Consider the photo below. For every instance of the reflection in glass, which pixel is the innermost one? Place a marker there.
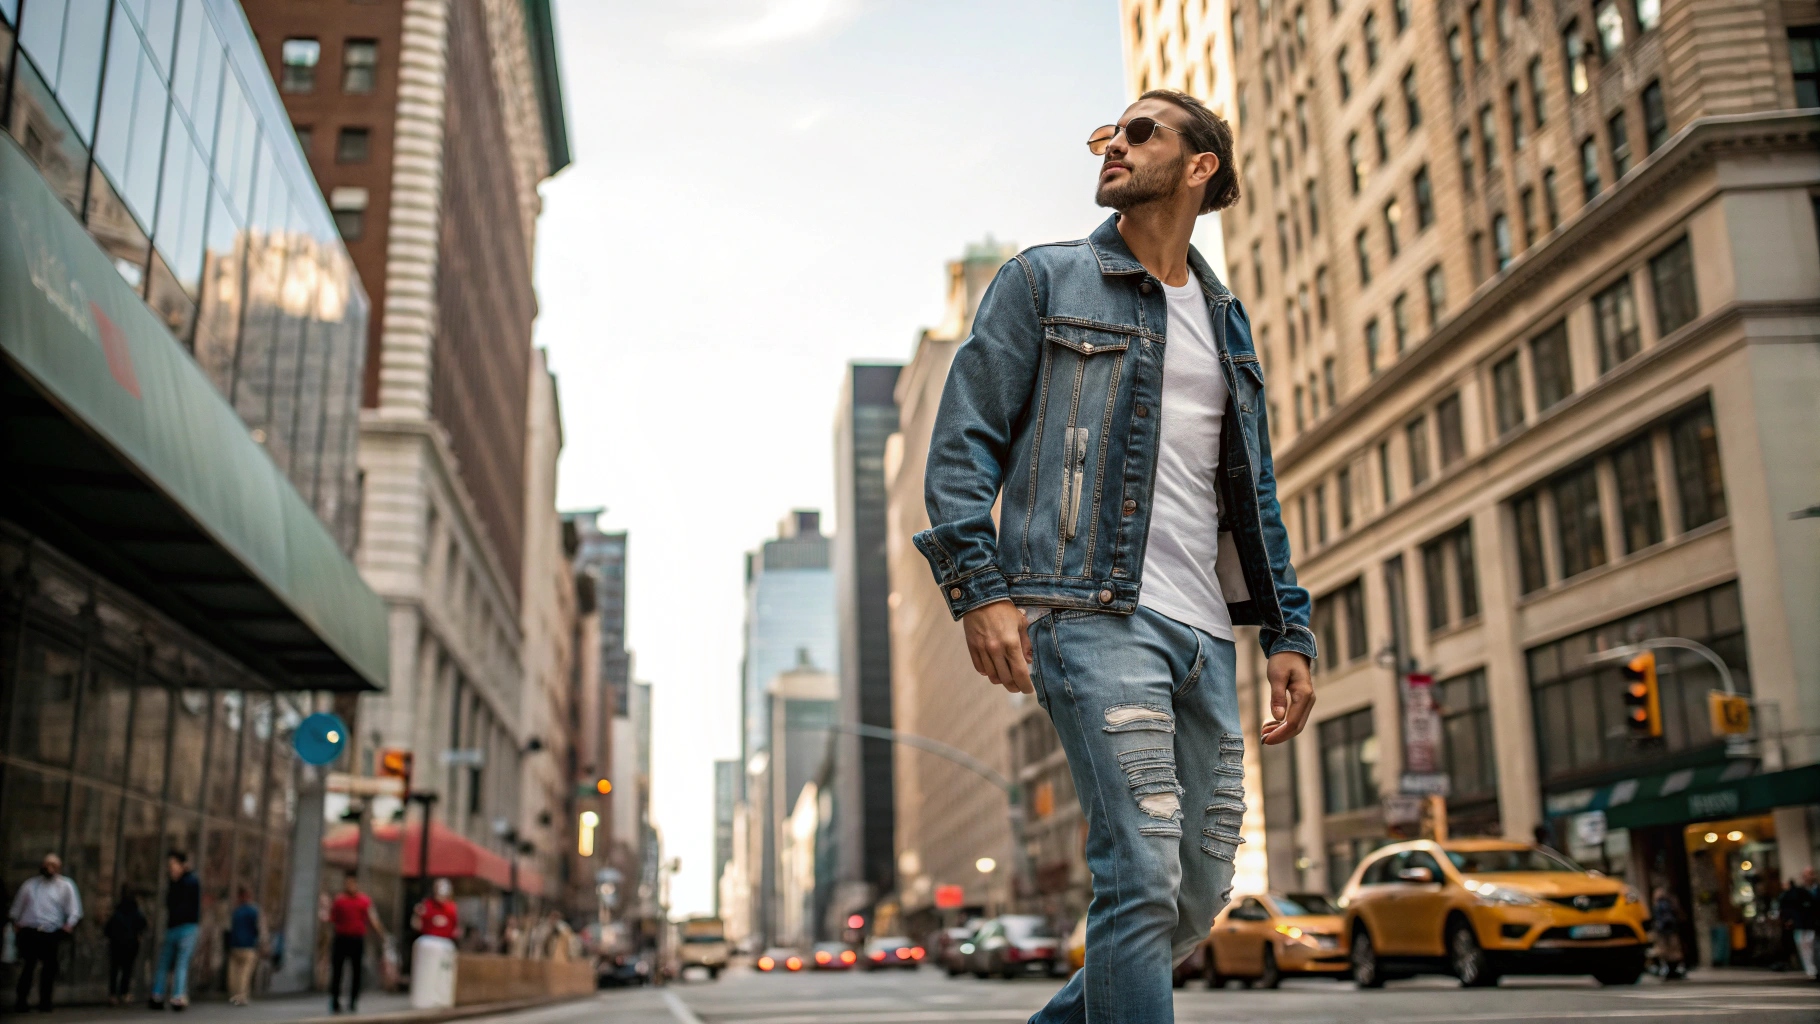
(224, 753)
(169, 300)
(41, 34)
(32, 805)
(218, 324)
(151, 727)
(113, 226)
(142, 851)
(157, 19)
(44, 702)
(189, 738)
(234, 146)
(183, 209)
(101, 740)
(78, 73)
(129, 139)
(88, 860)
(47, 137)
(258, 740)
(196, 76)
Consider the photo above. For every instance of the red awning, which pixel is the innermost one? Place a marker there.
(452, 855)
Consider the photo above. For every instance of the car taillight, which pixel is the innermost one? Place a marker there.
(1013, 954)
(917, 952)
(795, 963)
(878, 954)
(765, 963)
(903, 952)
(847, 956)
(823, 956)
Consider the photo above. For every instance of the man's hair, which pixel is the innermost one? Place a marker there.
(351, 875)
(1207, 132)
(179, 856)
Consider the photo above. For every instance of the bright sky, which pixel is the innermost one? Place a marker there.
(762, 191)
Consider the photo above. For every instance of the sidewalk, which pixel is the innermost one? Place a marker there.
(1747, 976)
(308, 1008)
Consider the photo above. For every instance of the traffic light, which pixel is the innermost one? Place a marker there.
(596, 787)
(395, 764)
(1642, 700)
(603, 786)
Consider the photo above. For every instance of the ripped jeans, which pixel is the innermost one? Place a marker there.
(1147, 710)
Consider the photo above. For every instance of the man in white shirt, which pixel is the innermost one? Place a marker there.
(46, 908)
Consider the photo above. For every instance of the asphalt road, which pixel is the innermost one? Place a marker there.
(744, 997)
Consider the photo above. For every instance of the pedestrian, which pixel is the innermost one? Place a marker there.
(350, 916)
(182, 918)
(44, 910)
(1799, 908)
(1111, 403)
(124, 928)
(437, 915)
(1665, 922)
(244, 928)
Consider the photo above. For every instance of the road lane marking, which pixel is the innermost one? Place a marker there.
(679, 1009)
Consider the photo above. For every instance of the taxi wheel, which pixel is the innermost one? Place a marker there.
(1215, 980)
(1365, 970)
(1270, 977)
(1468, 959)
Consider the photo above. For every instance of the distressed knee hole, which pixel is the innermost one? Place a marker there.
(1161, 805)
(1225, 815)
(1150, 772)
(1232, 756)
(1136, 717)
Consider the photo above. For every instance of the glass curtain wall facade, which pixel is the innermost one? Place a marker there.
(156, 125)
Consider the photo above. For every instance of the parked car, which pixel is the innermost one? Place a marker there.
(1260, 939)
(832, 956)
(620, 969)
(1013, 945)
(945, 947)
(1482, 908)
(893, 951)
(779, 958)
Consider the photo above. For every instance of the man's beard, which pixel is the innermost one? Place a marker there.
(1143, 185)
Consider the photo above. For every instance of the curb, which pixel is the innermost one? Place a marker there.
(435, 1016)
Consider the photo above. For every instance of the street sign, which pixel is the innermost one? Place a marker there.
(949, 897)
(1730, 713)
(1426, 784)
(1402, 810)
(320, 738)
(471, 758)
(364, 785)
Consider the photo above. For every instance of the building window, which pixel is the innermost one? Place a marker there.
(1655, 117)
(1349, 763)
(1314, 210)
(1468, 752)
(1301, 504)
(1320, 515)
(1425, 200)
(1618, 128)
(1464, 145)
(1526, 510)
(1452, 430)
(1415, 434)
(1386, 488)
(1371, 39)
(359, 65)
(1697, 471)
(1639, 509)
(1257, 267)
(1355, 162)
(1513, 99)
(1501, 241)
(1574, 45)
(1393, 217)
(1671, 273)
(351, 146)
(299, 57)
(1412, 103)
(1301, 122)
(1300, 423)
(1507, 392)
(1579, 528)
(1320, 295)
(1475, 250)
(306, 137)
(1327, 383)
(1380, 126)
(1339, 64)
(1488, 137)
(1579, 721)
(1609, 23)
(1526, 204)
(1649, 15)
(1243, 107)
(1551, 204)
(1400, 8)
(1589, 169)
(1437, 295)
(1475, 20)
(1399, 320)
(1371, 346)
(1456, 56)
(1352, 603)
(1551, 365)
(1804, 61)
(349, 206)
(1615, 324)
(1457, 586)
(1301, 297)
(1434, 581)
(1282, 242)
(1343, 491)
(1362, 246)
(1538, 89)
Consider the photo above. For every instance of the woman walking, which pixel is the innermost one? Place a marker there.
(124, 928)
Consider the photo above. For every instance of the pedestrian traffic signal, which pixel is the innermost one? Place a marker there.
(395, 764)
(1642, 701)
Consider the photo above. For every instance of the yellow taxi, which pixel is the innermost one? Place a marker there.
(1259, 939)
(1482, 908)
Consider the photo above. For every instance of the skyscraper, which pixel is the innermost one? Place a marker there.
(865, 419)
(726, 801)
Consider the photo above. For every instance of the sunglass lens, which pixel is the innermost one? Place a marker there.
(1101, 138)
(1139, 130)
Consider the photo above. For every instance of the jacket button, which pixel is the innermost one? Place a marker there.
(1130, 506)
(1086, 346)
(1105, 597)
(955, 593)
(1143, 411)
(1146, 287)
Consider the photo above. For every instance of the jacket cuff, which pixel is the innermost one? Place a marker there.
(981, 588)
(1299, 639)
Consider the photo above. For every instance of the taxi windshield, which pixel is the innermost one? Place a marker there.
(1491, 862)
(1304, 904)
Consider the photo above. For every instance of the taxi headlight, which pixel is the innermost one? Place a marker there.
(1632, 896)
(1490, 895)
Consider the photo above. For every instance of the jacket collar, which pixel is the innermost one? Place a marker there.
(1115, 257)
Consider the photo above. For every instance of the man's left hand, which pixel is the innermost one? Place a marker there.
(1291, 696)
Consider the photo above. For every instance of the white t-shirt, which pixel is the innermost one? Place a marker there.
(1178, 578)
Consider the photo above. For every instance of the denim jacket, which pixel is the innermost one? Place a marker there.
(1055, 399)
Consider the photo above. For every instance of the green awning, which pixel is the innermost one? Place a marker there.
(1722, 790)
(115, 448)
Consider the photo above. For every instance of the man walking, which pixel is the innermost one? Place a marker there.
(182, 917)
(244, 927)
(349, 916)
(45, 909)
(1110, 398)
(1799, 909)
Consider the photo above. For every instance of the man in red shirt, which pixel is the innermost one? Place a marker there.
(350, 915)
(436, 915)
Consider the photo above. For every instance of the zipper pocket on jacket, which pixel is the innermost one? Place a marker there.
(1074, 440)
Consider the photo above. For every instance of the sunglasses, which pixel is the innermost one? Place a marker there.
(1138, 131)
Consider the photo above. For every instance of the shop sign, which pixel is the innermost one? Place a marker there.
(1713, 805)
(1589, 828)
(1426, 783)
(1402, 810)
(949, 897)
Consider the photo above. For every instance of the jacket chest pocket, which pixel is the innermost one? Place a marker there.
(1086, 366)
(1249, 376)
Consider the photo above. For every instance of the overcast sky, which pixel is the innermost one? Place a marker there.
(762, 191)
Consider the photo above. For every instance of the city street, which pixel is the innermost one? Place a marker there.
(743, 997)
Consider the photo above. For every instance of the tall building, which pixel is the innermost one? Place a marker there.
(947, 817)
(804, 701)
(790, 620)
(180, 358)
(1522, 277)
(726, 801)
(864, 420)
(430, 124)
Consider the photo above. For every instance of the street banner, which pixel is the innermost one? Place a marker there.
(1421, 726)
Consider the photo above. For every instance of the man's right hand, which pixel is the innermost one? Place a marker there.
(998, 640)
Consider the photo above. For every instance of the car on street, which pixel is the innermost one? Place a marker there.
(779, 958)
(1483, 908)
(702, 942)
(832, 956)
(945, 944)
(1260, 939)
(1014, 945)
(893, 951)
